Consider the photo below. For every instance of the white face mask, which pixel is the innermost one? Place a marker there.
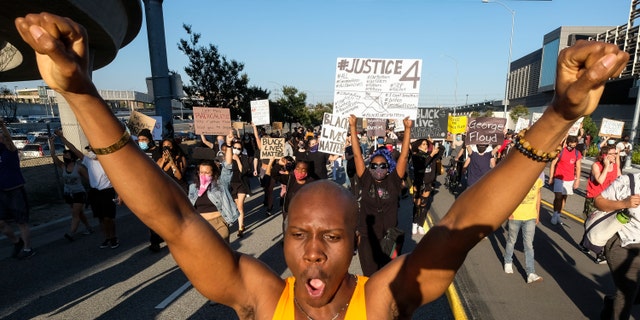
(236, 151)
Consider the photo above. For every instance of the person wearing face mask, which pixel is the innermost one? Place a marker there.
(74, 193)
(317, 160)
(381, 186)
(424, 156)
(102, 195)
(293, 180)
(148, 145)
(564, 175)
(478, 163)
(210, 195)
(239, 186)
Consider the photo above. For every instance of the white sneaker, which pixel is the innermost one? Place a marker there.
(508, 268)
(532, 277)
(414, 228)
(421, 230)
(555, 218)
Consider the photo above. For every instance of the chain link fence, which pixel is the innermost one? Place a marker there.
(43, 179)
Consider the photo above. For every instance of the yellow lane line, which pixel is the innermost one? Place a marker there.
(452, 293)
(566, 213)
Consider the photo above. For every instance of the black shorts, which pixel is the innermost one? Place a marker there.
(78, 197)
(14, 205)
(237, 188)
(102, 203)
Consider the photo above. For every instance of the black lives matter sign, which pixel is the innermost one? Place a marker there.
(430, 122)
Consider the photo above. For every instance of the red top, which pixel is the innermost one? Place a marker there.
(594, 188)
(566, 165)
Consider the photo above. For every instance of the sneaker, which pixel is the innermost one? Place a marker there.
(584, 249)
(555, 218)
(24, 254)
(508, 268)
(532, 277)
(17, 247)
(105, 244)
(421, 230)
(414, 228)
(114, 243)
(68, 237)
(600, 259)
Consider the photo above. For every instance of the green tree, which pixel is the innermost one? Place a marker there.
(8, 103)
(294, 106)
(518, 111)
(488, 113)
(317, 112)
(217, 80)
(474, 114)
(589, 126)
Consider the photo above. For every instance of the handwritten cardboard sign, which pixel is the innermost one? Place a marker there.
(238, 125)
(430, 122)
(212, 120)
(485, 130)
(272, 148)
(575, 128)
(334, 133)
(377, 88)
(457, 124)
(276, 126)
(138, 121)
(611, 128)
(260, 112)
(376, 127)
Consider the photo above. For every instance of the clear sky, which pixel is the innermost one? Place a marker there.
(464, 44)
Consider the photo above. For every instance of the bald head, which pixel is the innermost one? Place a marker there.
(325, 193)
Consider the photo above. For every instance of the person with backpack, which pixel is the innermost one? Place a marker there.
(564, 175)
(603, 172)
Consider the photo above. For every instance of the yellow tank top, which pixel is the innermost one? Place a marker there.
(357, 308)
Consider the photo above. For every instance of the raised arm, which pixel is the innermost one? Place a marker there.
(401, 166)
(256, 135)
(61, 52)
(206, 142)
(424, 274)
(357, 153)
(68, 144)
(54, 156)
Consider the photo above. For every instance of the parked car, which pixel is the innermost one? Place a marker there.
(20, 141)
(34, 150)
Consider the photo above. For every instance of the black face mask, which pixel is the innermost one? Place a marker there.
(67, 160)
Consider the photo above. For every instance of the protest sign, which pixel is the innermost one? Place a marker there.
(611, 128)
(457, 124)
(138, 121)
(521, 124)
(238, 125)
(260, 112)
(535, 116)
(376, 127)
(334, 133)
(276, 126)
(377, 88)
(430, 122)
(272, 148)
(485, 130)
(575, 128)
(211, 120)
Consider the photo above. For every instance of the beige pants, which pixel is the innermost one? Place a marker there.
(220, 225)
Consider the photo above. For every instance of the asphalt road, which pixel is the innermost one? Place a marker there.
(80, 281)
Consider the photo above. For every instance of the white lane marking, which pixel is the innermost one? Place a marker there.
(173, 296)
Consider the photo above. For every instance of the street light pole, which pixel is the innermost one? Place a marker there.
(513, 19)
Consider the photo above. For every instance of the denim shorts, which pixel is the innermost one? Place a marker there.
(14, 205)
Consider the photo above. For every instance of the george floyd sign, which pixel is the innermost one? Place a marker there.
(485, 130)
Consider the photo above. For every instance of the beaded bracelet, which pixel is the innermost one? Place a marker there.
(126, 137)
(530, 152)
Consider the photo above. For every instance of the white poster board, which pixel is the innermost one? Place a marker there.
(334, 133)
(377, 88)
(611, 128)
(260, 112)
(215, 121)
(535, 116)
(575, 128)
(521, 124)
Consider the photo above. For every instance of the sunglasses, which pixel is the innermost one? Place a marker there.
(382, 165)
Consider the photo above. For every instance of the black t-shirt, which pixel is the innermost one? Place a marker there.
(317, 164)
(292, 188)
(351, 163)
(379, 203)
